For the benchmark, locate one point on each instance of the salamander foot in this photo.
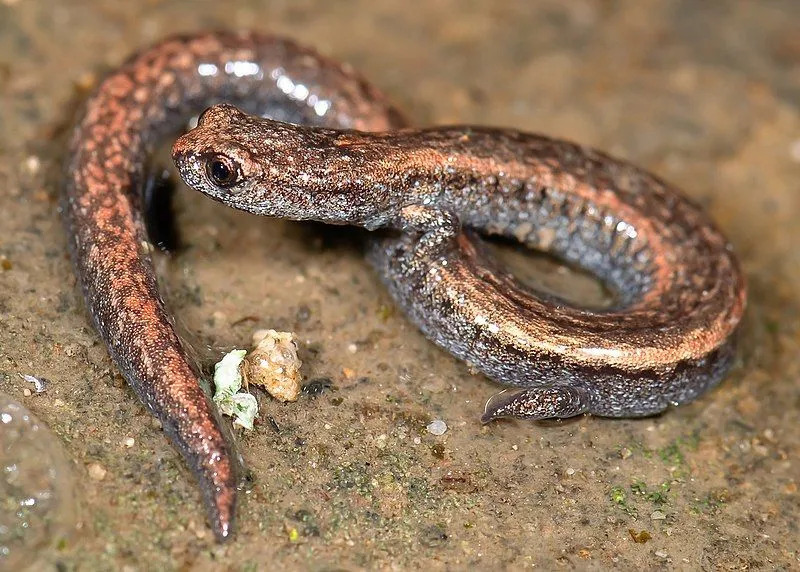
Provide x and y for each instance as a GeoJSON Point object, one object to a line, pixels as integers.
{"type": "Point", "coordinates": [548, 402]}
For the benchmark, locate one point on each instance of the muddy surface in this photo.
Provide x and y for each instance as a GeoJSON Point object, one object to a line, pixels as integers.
{"type": "Point", "coordinates": [704, 93]}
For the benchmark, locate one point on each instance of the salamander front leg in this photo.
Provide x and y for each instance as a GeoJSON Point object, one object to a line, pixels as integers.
{"type": "Point", "coordinates": [548, 402]}
{"type": "Point", "coordinates": [438, 227]}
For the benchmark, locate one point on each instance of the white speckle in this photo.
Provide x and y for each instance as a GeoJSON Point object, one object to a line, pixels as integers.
{"type": "Point", "coordinates": [352, 348]}
{"type": "Point", "coordinates": [570, 471]}
{"type": "Point", "coordinates": [515, 447]}
{"type": "Point", "coordinates": [661, 553]}
{"type": "Point", "coordinates": [658, 515]}
{"type": "Point", "coordinates": [300, 92]}
{"type": "Point", "coordinates": [417, 440]}
{"type": "Point", "coordinates": [129, 442]}
{"type": "Point", "coordinates": [207, 70]}
{"type": "Point", "coordinates": [5, 418]}
{"type": "Point", "coordinates": [627, 229]}
{"type": "Point", "coordinates": [321, 107]}
{"type": "Point", "coordinates": [285, 84]}
{"type": "Point", "coordinates": [437, 427]}
{"type": "Point", "coordinates": [242, 68]}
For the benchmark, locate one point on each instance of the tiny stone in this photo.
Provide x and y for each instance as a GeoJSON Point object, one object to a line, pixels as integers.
{"type": "Point", "coordinates": [570, 471]}
{"type": "Point", "coordinates": [437, 427]}
{"type": "Point", "coordinates": [661, 553]}
{"type": "Point", "coordinates": [658, 515]}
{"type": "Point", "coordinates": [417, 440]}
{"type": "Point", "coordinates": [129, 442]}
{"type": "Point", "coordinates": [97, 472]}
{"type": "Point", "coordinates": [33, 163]}
{"type": "Point", "coordinates": [515, 447]}
{"type": "Point", "coordinates": [352, 348]}
{"type": "Point", "coordinates": [26, 392]}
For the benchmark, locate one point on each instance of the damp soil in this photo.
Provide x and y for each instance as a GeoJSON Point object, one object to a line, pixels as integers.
{"type": "Point", "coordinates": [350, 477]}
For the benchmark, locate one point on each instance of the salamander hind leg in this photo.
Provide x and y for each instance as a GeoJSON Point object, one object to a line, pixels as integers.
{"type": "Point", "coordinates": [546, 402]}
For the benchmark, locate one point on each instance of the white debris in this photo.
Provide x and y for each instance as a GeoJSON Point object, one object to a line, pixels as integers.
{"type": "Point", "coordinates": [437, 427]}
{"type": "Point", "coordinates": [272, 364]}
{"type": "Point", "coordinates": [227, 383]}
{"type": "Point", "coordinates": [39, 385]}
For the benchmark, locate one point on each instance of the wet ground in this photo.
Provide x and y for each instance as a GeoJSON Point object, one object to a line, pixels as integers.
{"type": "Point", "coordinates": [705, 94]}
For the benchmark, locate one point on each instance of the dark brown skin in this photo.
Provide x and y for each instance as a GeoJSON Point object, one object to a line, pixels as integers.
{"type": "Point", "coordinates": [680, 293]}
{"type": "Point", "coordinates": [151, 96]}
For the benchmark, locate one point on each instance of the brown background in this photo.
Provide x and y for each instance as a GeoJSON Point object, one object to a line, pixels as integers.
{"type": "Point", "coordinates": [703, 93]}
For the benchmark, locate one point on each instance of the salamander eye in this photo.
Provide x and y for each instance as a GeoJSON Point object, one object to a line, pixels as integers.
{"type": "Point", "coordinates": [221, 171]}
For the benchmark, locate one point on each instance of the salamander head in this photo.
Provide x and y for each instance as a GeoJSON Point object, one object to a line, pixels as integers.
{"type": "Point", "coordinates": [277, 169]}
{"type": "Point", "coordinates": [218, 159]}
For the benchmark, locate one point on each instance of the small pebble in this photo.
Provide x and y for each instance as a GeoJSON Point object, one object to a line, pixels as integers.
{"type": "Point", "coordinates": [27, 392]}
{"type": "Point", "coordinates": [129, 442]}
{"type": "Point", "coordinates": [658, 515]}
{"type": "Point", "coordinates": [33, 163]}
{"type": "Point", "coordinates": [437, 427]}
{"type": "Point", "coordinates": [570, 471]}
{"type": "Point", "coordinates": [352, 348]}
{"type": "Point", "coordinates": [661, 554]}
{"type": "Point", "coordinates": [97, 472]}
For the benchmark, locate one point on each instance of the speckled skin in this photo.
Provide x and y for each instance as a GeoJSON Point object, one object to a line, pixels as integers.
{"type": "Point", "coordinates": [680, 293]}
{"type": "Point", "coordinates": [155, 94]}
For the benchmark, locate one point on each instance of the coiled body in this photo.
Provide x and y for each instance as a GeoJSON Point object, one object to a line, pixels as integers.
{"type": "Point", "coordinates": [680, 292]}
